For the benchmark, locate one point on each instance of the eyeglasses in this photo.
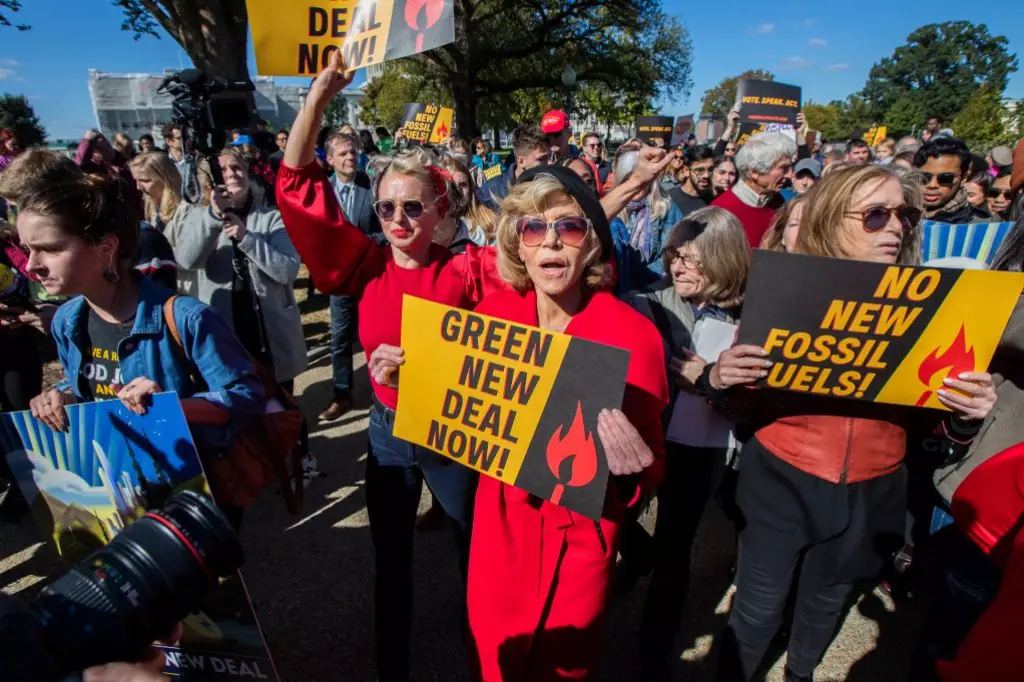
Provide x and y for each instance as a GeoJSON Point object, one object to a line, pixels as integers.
{"type": "Point", "coordinates": [877, 217]}
{"type": "Point", "coordinates": [995, 193]}
{"type": "Point", "coordinates": [571, 230]}
{"type": "Point", "coordinates": [945, 179]}
{"type": "Point", "coordinates": [700, 172]}
{"type": "Point", "coordinates": [687, 261]}
{"type": "Point", "coordinates": [385, 208]}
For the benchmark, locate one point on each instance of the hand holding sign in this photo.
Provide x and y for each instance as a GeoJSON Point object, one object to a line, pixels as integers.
{"type": "Point", "coordinates": [976, 397]}
{"type": "Point", "coordinates": [739, 365]}
{"type": "Point", "coordinates": [626, 451]}
{"type": "Point", "coordinates": [331, 81]}
{"type": "Point", "coordinates": [384, 363]}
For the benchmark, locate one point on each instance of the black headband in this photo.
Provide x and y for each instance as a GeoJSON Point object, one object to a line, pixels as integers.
{"type": "Point", "coordinates": [585, 196]}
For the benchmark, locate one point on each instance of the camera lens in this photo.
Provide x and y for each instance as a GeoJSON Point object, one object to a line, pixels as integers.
{"type": "Point", "coordinates": [116, 601]}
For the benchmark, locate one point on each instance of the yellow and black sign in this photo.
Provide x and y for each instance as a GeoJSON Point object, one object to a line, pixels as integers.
{"type": "Point", "coordinates": [493, 172]}
{"type": "Point", "coordinates": [427, 123]}
{"type": "Point", "coordinates": [297, 38]}
{"type": "Point", "coordinates": [514, 402]}
{"type": "Point", "coordinates": [655, 130]}
{"type": "Point", "coordinates": [875, 134]}
{"type": "Point", "coordinates": [767, 102]}
{"type": "Point", "coordinates": [870, 331]}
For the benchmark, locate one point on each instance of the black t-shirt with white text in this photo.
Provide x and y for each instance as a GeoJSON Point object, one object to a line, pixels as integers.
{"type": "Point", "coordinates": [102, 369]}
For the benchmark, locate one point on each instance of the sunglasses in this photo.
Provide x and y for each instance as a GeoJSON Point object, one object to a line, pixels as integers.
{"type": "Point", "coordinates": [996, 193]}
{"type": "Point", "coordinates": [385, 208]}
{"type": "Point", "coordinates": [876, 218]}
{"type": "Point", "coordinates": [571, 230]}
{"type": "Point", "coordinates": [945, 179]}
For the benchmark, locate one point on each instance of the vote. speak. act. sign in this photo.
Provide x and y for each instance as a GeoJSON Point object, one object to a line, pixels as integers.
{"type": "Point", "coordinates": [514, 402]}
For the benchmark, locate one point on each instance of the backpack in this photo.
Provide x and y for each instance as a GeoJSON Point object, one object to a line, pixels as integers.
{"type": "Point", "coordinates": [262, 452]}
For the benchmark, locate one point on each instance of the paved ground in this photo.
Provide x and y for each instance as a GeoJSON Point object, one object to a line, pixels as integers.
{"type": "Point", "coordinates": [311, 578]}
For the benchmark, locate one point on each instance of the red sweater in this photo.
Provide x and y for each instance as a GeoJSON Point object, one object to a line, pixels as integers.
{"type": "Point", "coordinates": [755, 220]}
{"type": "Point", "coordinates": [343, 261]}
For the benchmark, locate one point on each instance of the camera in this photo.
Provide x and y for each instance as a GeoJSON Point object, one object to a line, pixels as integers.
{"type": "Point", "coordinates": [205, 107]}
{"type": "Point", "coordinates": [113, 604]}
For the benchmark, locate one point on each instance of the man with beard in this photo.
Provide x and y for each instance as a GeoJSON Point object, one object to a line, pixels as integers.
{"type": "Point", "coordinates": [694, 192]}
{"type": "Point", "coordinates": [944, 163]}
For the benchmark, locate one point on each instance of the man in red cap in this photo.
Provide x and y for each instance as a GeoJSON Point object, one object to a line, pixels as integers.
{"type": "Point", "coordinates": [555, 125]}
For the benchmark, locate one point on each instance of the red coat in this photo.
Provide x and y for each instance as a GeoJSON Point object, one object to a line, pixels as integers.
{"type": "Point", "coordinates": [528, 554]}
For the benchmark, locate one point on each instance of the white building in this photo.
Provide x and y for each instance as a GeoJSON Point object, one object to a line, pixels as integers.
{"type": "Point", "coordinates": [129, 102]}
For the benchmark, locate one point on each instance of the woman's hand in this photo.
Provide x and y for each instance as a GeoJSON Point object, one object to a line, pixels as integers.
{"type": "Point", "coordinates": [385, 361]}
{"type": "Point", "coordinates": [973, 395]}
{"type": "Point", "coordinates": [220, 201]}
{"type": "Point", "coordinates": [739, 365]}
{"type": "Point", "coordinates": [687, 367]}
{"type": "Point", "coordinates": [40, 319]}
{"type": "Point", "coordinates": [625, 450]}
{"type": "Point", "coordinates": [138, 394]}
{"type": "Point", "coordinates": [48, 407]}
{"type": "Point", "coordinates": [234, 227]}
{"type": "Point", "coordinates": [332, 80]}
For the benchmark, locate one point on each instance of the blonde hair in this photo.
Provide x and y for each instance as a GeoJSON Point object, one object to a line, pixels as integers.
{"type": "Point", "coordinates": [469, 206]}
{"type": "Point", "coordinates": [531, 198]}
{"type": "Point", "coordinates": [724, 252]}
{"type": "Point", "coordinates": [830, 200]}
{"type": "Point", "coordinates": [161, 167]}
{"type": "Point", "coordinates": [657, 201]}
{"type": "Point", "coordinates": [414, 163]}
{"type": "Point", "coordinates": [772, 240]}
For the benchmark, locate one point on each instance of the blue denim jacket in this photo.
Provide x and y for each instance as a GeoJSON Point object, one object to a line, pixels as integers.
{"type": "Point", "coordinates": [149, 351]}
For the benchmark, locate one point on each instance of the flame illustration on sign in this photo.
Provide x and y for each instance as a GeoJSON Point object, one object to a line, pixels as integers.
{"type": "Point", "coordinates": [957, 358]}
{"type": "Point", "coordinates": [442, 131]}
{"type": "Point", "coordinates": [573, 444]}
{"type": "Point", "coordinates": [431, 8]}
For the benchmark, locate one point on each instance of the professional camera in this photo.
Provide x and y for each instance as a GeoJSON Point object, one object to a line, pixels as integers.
{"type": "Point", "coordinates": [114, 603]}
{"type": "Point", "coordinates": [205, 107]}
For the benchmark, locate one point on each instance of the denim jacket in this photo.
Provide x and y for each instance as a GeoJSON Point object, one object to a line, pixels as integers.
{"type": "Point", "coordinates": [149, 351]}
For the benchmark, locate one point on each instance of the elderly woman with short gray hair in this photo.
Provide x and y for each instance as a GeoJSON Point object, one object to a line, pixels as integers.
{"type": "Point", "coordinates": [764, 163]}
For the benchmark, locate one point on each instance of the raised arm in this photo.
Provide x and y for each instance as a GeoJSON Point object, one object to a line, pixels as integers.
{"type": "Point", "coordinates": [650, 165]}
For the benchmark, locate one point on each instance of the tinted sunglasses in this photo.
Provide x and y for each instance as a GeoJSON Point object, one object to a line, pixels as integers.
{"type": "Point", "coordinates": [945, 179]}
{"type": "Point", "coordinates": [385, 208]}
{"type": "Point", "coordinates": [996, 193]}
{"type": "Point", "coordinates": [571, 230]}
{"type": "Point", "coordinates": [876, 218]}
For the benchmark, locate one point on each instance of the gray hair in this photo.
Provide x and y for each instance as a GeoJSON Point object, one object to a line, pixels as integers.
{"type": "Point", "coordinates": [658, 202]}
{"type": "Point", "coordinates": [908, 144]}
{"type": "Point", "coordinates": [762, 152]}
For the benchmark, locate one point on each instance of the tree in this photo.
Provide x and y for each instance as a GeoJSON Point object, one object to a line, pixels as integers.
{"type": "Point", "coordinates": [939, 68]}
{"type": "Point", "coordinates": [214, 33]}
{"type": "Point", "coordinates": [983, 122]}
{"type": "Point", "coordinates": [608, 106]}
{"type": "Point", "coordinates": [336, 113]}
{"type": "Point", "coordinates": [904, 117]}
{"type": "Point", "coordinates": [854, 114]}
{"type": "Point", "coordinates": [721, 98]}
{"type": "Point", "coordinates": [504, 46]}
{"type": "Point", "coordinates": [825, 119]}
{"type": "Point", "coordinates": [17, 114]}
{"type": "Point", "coordinates": [13, 6]}
{"type": "Point", "coordinates": [403, 81]}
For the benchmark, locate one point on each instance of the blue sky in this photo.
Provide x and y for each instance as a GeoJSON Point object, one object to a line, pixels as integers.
{"type": "Point", "coordinates": [827, 47]}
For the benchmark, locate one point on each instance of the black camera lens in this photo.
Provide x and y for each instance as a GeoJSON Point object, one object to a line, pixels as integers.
{"type": "Point", "coordinates": [114, 603]}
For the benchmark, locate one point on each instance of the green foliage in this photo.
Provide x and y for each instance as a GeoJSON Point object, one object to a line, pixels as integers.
{"type": "Point", "coordinates": [939, 69]}
{"type": "Point", "coordinates": [336, 112]}
{"type": "Point", "coordinates": [854, 114]}
{"type": "Point", "coordinates": [12, 6]}
{"type": "Point", "coordinates": [721, 98]}
{"type": "Point", "coordinates": [905, 117]}
{"type": "Point", "coordinates": [402, 82]}
{"type": "Point", "coordinates": [824, 118]}
{"type": "Point", "coordinates": [17, 114]}
{"type": "Point", "coordinates": [984, 122]}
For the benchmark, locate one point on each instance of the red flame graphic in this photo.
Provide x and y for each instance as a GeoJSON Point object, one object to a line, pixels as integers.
{"type": "Point", "coordinates": [959, 357]}
{"type": "Point", "coordinates": [442, 131]}
{"type": "Point", "coordinates": [576, 443]}
{"type": "Point", "coordinates": [431, 8]}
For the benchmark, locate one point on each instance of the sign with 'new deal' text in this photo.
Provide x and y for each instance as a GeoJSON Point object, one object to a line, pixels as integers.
{"type": "Point", "coordinates": [514, 402]}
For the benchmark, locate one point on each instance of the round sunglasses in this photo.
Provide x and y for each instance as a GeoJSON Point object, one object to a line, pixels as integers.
{"type": "Point", "coordinates": [571, 230]}
{"type": "Point", "coordinates": [877, 217]}
{"type": "Point", "coordinates": [386, 208]}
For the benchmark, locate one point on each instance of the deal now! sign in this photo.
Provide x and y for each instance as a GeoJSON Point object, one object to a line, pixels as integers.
{"type": "Point", "coordinates": [514, 402]}
{"type": "Point", "coordinates": [296, 38]}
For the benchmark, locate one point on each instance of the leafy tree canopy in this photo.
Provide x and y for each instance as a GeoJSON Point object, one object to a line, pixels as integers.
{"type": "Point", "coordinates": [721, 98]}
{"type": "Point", "coordinates": [17, 114]}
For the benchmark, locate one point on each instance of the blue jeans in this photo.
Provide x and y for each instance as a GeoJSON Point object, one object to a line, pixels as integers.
{"type": "Point", "coordinates": [343, 336]}
{"type": "Point", "coordinates": [395, 471]}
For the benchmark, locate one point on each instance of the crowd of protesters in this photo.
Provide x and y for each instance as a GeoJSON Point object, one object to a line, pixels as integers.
{"type": "Point", "coordinates": [636, 248]}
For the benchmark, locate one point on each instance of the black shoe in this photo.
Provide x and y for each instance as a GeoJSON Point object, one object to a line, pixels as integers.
{"type": "Point", "coordinates": [793, 677]}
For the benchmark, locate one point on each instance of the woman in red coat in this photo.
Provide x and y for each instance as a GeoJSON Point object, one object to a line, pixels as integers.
{"type": "Point", "coordinates": [538, 573]}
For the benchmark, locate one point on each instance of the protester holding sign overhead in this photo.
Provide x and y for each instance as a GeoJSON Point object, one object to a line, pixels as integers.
{"type": "Point", "coordinates": [822, 478]}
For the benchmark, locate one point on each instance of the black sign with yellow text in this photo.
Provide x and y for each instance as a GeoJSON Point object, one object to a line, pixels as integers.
{"type": "Point", "coordinates": [767, 102]}
{"type": "Point", "coordinates": [655, 130]}
{"type": "Point", "coordinates": [870, 331]}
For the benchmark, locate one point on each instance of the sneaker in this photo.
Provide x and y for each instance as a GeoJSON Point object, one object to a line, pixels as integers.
{"type": "Point", "coordinates": [341, 405]}
{"type": "Point", "coordinates": [309, 470]}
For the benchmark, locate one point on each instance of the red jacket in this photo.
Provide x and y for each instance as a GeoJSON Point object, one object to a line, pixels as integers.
{"type": "Point", "coordinates": [538, 573]}
{"type": "Point", "coordinates": [755, 220]}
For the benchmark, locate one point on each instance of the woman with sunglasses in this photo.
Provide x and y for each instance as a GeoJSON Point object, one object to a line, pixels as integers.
{"type": "Point", "coordinates": [823, 485]}
{"type": "Point", "coordinates": [1001, 197]}
{"type": "Point", "coordinates": [539, 573]}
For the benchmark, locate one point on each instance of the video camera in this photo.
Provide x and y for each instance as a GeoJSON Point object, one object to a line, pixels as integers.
{"type": "Point", "coordinates": [205, 107]}
{"type": "Point", "coordinates": [113, 604]}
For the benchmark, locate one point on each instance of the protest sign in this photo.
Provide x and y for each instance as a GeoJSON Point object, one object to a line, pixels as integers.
{"type": "Point", "coordinates": [870, 331]}
{"type": "Point", "coordinates": [493, 172]}
{"type": "Point", "coordinates": [514, 402]}
{"type": "Point", "coordinates": [709, 130]}
{"type": "Point", "coordinates": [767, 102]}
{"type": "Point", "coordinates": [749, 130]}
{"type": "Point", "coordinates": [976, 241]}
{"type": "Point", "coordinates": [102, 475]}
{"type": "Point", "coordinates": [297, 38]}
{"type": "Point", "coordinates": [681, 130]}
{"type": "Point", "coordinates": [427, 123]}
{"type": "Point", "coordinates": [654, 130]}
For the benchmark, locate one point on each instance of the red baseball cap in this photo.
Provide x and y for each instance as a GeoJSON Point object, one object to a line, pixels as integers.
{"type": "Point", "coordinates": [554, 122]}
